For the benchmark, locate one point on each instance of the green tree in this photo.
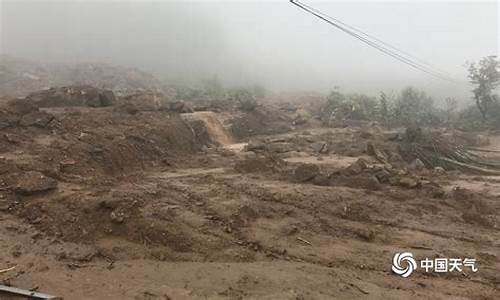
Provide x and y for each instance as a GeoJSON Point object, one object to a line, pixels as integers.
{"type": "Point", "coordinates": [450, 110]}
{"type": "Point", "coordinates": [213, 88]}
{"type": "Point", "coordinates": [384, 108]}
{"type": "Point", "coordinates": [414, 108]}
{"type": "Point", "coordinates": [486, 77]}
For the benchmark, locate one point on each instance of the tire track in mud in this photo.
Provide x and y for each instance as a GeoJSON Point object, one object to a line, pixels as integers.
{"type": "Point", "coordinates": [260, 194]}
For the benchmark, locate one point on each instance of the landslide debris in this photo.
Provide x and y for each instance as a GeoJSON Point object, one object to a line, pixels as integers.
{"type": "Point", "coordinates": [72, 96]}
{"type": "Point", "coordinates": [33, 182]}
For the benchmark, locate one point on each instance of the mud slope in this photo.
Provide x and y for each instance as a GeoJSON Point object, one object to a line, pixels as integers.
{"type": "Point", "coordinates": [152, 214]}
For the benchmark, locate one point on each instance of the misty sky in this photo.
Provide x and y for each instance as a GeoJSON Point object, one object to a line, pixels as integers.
{"type": "Point", "coordinates": [269, 42]}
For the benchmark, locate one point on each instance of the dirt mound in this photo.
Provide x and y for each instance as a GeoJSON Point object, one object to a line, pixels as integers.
{"type": "Point", "coordinates": [208, 128]}
{"type": "Point", "coordinates": [261, 120]}
{"type": "Point", "coordinates": [23, 113]}
{"type": "Point", "coordinates": [33, 182]}
{"type": "Point", "coordinates": [91, 142]}
{"type": "Point", "coordinates": [72, 96]}
{"type": "Point", "coordinates": [306, 172]}
{"type": "Point", "coordinates": [20, 77]}
{"type": "Point", "coordinates": [145, 101]}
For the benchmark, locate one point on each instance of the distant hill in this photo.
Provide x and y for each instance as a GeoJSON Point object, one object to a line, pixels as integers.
{"type": "Point", "coordinates": [19, 77]}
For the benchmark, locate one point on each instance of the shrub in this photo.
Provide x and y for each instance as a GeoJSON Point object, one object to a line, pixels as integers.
{"type": "Point", "coordinates": [245, 99]}
{"type": "Point", "coordinates": [340, 106]}
{"type": "Point", "coordinates": [471, 118]}
{"type": "Point", "coordinates": [415, 108]}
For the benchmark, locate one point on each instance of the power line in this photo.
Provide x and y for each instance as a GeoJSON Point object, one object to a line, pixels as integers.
{"type": "Point", "coordinates": [374, 44]}
{"type": "Point", "coordinates": [375, 39]}
{"type": "Point", "coordinates": [364, 37]}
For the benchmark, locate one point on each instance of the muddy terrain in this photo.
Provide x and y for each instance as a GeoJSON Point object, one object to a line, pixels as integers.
{"type": "Point", "coordinates": [116, 201]}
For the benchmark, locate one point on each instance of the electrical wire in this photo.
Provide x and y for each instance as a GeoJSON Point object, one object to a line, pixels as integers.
{"type": "Point", "coordinates": [364, 37]}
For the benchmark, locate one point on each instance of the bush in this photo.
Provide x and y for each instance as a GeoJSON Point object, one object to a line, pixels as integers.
{"type": "Point", "coordinates": [245, 99]}
{"type": "Point", "coordinates": [340, 106]}
{"type": "Point", "coordinates": [410, 108]}
{"type": "Point", "coordinates": [187, 93]}
{"type": "Point", "coordinates": [213, 88]}
{"type": "Point", "coordinates": [471, 118]}
{"type": "Point", "coordinates": [415, 108]}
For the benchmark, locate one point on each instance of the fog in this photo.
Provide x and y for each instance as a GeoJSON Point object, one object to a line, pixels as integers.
{"type": "Point", "coordinates": [272, 43]}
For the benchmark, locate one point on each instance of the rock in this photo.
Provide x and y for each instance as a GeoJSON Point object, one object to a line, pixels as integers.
{"type": "Point", "coordinates": [356, 168]}
{"type": "Point", "coordinates": [65, 165]}
{"type": "Point", "coordinates": [409, 182]}
{"type": "Point", "coordinates": [8, 120]}
{"type": "Point", "coordinates": [117, 217]}
{"type": "Point", "coordinates": [306, 172]}
{"type": "Point", "coordinates": [21, 106]}
{"type": "Point", "coordinates": [321, 180]}
{"type": "Point", "coordinates": [279, 147]}
{"type": "Point", "coordinates": [34, 182]}
{"type": "Point", "coordinates": [374, 151]}
{"type": "Point", "coordinates": [75, 95]}
{"type": "Point", "coordinates": [416, 165]}
{"type": "Point", "coordinates": [179, 107]}
{"type": "Point", "coordinates": [255, 146]}
{"type": "Point", "coordinates": [37, 119]}
{"type": "Point", "coordinates": [382, 176]}
{"type": "Point", "coordinates": [320, 147]}
{"type": "Point", "coordinates": [439, 171]}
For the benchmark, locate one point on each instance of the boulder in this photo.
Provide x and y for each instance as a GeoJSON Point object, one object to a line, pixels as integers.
{"type": "Point", "coordinates": [439, 171]}
{"type": "Point", "coordinates": [8, 120]}
{"type": "Point", "coordinates": [37, 119]}
{"type": "Point", "coordinates": [279, 147]}
{"type": "Point", "coordinates": [33, 182]}
{"type": "Point", "coordinates": [382, 176]}
{"type": "Point", "coordinates": [21, 106]}
{"type": "Point", "coordinates": [306, 172]}
{"type": "Point", "coordinates": [179, 107]}
{"type": "Point", "coordinates": [355, 168]}
{"type": "Point", "coordinates": [320, 147]}
{"type": "Point", "coordinates": [76, 95]}
{"type": "Point", "coordinates": [374, 151]}
{"type": "Point", "coordinates": [416, 165]}
{"type": "Point", "coordinates": [255, 146]}
{"type": "Point", "coordinates": [409, 182]}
